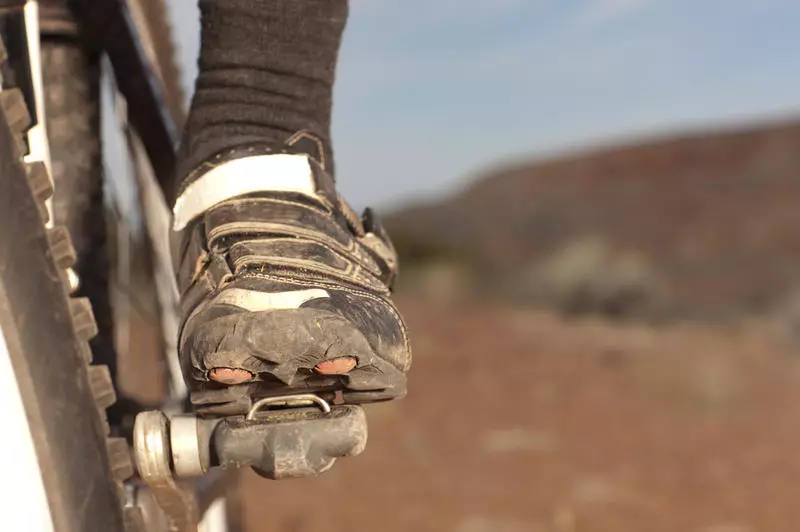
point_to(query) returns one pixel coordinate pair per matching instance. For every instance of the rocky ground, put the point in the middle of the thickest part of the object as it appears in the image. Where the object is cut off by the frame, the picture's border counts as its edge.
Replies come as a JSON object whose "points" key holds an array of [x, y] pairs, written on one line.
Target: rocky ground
{"points": [[522, 421]]}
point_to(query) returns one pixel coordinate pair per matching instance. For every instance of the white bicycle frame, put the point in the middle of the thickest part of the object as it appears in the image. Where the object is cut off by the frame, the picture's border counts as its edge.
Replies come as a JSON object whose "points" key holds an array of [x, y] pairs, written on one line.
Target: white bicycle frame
{"points": [[23, 501]]}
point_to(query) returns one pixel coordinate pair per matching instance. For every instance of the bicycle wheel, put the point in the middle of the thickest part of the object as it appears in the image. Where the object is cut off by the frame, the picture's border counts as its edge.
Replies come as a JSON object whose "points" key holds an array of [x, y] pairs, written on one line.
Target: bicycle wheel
{"points": [[71, 73], [71, 79], [44, 336]]}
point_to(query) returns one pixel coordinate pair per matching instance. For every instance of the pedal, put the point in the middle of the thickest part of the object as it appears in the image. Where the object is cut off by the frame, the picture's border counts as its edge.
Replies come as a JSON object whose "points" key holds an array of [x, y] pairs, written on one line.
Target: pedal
{"points": [[293, 442], [280, 437]]}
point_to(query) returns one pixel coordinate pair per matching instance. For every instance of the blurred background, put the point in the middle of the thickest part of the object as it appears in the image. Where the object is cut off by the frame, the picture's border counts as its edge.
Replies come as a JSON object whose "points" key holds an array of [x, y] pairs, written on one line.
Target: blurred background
{"points": [[597, 204]]}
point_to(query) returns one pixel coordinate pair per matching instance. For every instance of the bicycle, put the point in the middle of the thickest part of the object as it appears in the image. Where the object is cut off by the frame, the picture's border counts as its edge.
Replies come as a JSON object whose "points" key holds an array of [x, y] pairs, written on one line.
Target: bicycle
{"points": [[73, 457]]}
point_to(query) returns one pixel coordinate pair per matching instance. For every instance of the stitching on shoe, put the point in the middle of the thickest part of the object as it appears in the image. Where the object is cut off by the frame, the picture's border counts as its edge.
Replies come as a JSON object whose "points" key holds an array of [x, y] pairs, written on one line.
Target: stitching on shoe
{"points": [[200, 266], [294, 139], [353, 274], [356, 245], [353, 251], [274, 199]]}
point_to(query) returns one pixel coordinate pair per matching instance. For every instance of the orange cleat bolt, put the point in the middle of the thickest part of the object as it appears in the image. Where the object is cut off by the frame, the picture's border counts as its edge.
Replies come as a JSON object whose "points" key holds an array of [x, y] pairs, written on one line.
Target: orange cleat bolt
{"points": [[230, 375], [337, 366]]}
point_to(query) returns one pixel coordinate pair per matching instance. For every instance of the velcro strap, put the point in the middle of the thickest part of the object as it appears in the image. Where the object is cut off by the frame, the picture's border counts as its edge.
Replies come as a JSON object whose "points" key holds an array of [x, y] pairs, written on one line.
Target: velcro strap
{"points": [[281, 172], [258, 214], [270, 217], [304, 255]]}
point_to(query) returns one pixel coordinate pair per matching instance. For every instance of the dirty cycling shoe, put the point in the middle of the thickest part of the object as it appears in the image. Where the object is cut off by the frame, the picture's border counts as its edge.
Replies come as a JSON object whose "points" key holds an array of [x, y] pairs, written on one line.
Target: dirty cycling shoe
{"points": [[284, 289]]}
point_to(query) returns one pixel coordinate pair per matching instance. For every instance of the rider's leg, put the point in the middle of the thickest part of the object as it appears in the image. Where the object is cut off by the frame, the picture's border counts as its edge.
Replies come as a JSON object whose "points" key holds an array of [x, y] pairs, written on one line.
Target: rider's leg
{"points": [[266, 72], [284, 288]]}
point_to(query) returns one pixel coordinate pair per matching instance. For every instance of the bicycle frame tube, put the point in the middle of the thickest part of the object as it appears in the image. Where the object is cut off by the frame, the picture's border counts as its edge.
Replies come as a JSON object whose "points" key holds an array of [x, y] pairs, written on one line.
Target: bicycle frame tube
{"points": [[111, 25], [27, 490]]}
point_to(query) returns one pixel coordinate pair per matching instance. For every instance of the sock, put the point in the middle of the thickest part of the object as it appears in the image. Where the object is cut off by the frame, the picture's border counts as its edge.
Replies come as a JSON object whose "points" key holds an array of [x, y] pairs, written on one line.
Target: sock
{"points": [[266, 71]]}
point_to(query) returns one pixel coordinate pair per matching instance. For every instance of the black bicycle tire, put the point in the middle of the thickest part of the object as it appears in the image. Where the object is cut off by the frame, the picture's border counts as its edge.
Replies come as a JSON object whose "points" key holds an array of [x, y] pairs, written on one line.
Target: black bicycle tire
{"points": [[47, 334], [71, 79]]}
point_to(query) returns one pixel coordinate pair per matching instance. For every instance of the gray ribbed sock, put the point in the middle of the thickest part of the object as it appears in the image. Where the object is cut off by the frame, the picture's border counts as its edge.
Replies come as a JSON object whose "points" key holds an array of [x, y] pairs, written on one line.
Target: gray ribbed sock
{"points": [[266, 71]]}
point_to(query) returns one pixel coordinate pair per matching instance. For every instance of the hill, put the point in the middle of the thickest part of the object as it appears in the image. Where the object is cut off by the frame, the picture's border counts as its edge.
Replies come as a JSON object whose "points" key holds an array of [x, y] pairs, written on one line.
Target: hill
{"points": [[698, 225]]}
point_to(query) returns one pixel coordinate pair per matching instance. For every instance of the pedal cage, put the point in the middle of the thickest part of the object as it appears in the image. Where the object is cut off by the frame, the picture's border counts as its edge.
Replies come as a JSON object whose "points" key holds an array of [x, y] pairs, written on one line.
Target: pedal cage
{"points": [[297, 440], [291, 443], [303, 438]]}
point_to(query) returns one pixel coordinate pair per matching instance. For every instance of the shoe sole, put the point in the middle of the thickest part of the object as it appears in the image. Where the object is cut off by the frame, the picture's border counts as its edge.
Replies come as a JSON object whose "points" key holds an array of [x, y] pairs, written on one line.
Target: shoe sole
{"points": [[259, 342], [210, 398]]}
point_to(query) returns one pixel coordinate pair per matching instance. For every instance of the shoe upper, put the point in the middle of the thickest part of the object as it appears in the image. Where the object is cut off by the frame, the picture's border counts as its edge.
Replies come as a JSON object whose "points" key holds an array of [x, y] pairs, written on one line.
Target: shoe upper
{"points": [[257, 230]]}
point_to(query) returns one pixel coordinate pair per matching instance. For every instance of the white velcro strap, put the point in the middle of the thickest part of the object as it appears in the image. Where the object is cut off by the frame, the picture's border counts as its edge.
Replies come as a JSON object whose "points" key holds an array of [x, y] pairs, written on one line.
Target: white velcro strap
{"points": [[281, 172], [255, 301]]}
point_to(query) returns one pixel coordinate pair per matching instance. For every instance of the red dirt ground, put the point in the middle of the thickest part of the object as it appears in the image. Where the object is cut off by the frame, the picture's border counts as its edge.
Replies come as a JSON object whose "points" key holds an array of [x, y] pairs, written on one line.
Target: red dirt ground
{"points": [[519, 421]]}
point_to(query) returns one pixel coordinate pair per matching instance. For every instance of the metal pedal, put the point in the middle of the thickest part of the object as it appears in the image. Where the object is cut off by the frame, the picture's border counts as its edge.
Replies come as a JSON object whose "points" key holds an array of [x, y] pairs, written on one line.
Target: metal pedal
{"points": [[302, 437], [291, 443]]}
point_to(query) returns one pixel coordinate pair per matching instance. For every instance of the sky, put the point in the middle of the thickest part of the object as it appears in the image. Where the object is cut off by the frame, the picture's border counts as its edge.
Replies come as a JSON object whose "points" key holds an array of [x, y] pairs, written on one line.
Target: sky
{"points": [[430, 93]]}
